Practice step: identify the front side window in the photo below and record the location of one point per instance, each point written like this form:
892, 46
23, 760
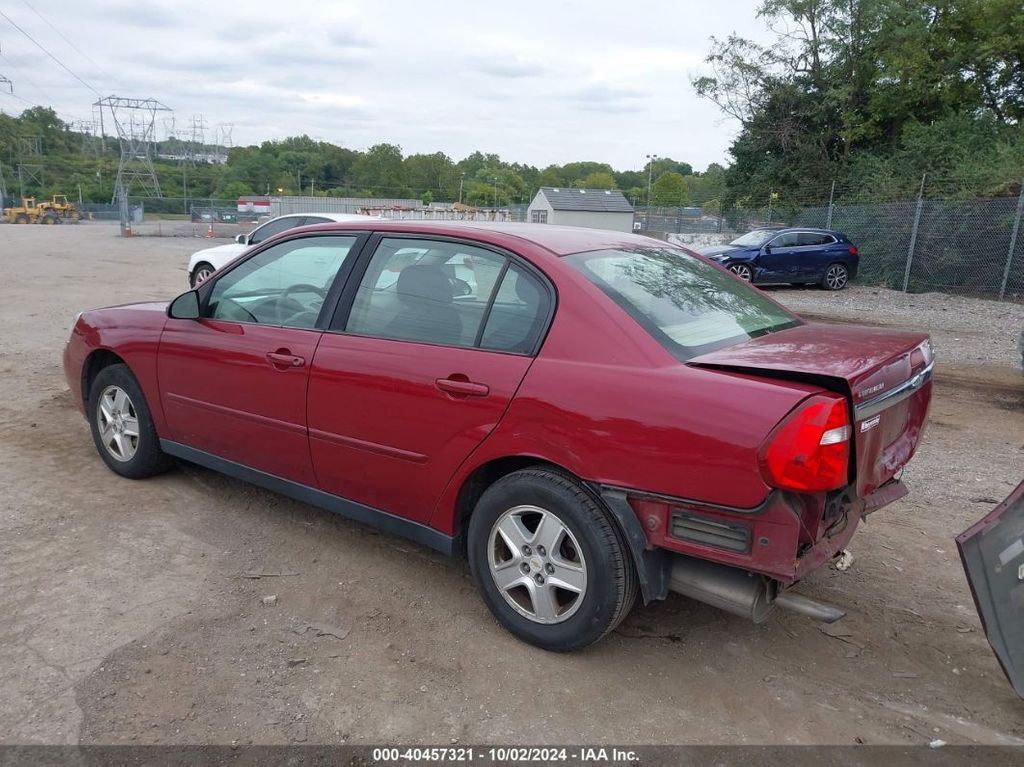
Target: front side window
787, 240
689, 306
427, 291
276, 226
284, 285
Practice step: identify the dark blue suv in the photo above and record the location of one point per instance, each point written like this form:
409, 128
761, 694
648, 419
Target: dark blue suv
797, 255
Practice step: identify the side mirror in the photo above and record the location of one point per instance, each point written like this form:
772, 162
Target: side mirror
185, 307
766, 249
242, 239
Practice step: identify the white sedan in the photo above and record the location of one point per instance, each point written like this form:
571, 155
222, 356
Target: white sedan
205, 262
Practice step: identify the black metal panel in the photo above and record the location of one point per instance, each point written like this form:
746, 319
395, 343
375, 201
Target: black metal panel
706, 531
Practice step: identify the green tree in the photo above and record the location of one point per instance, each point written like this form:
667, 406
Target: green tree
379, 170
670, 190
598, 180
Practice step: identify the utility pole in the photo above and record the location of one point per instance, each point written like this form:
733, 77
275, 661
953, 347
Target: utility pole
495, 193
650, 175
461, 179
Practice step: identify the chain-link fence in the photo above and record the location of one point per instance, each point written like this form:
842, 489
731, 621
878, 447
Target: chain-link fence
952, 245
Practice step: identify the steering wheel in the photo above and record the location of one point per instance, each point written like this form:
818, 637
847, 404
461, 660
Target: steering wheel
296, 307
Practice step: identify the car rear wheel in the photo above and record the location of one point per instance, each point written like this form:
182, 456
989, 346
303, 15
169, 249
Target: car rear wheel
200, 274
836, 277
122, 426
549, 561
743, 271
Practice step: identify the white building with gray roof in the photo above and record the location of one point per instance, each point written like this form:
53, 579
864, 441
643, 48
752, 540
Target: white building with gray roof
596, 208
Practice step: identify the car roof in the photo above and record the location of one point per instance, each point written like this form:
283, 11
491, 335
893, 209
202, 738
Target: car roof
559, 240
784, 229
339, 217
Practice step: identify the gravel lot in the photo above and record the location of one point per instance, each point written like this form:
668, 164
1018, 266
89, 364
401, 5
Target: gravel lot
131, 613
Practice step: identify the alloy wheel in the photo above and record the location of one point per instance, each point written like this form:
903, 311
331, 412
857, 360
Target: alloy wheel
742, 271
836, 277
118, 423
537, 564
202, 274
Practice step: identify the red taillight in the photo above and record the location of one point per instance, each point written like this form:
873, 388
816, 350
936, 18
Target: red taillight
810, 450
853, 250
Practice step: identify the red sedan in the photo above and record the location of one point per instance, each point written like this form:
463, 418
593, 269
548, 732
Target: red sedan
588, 416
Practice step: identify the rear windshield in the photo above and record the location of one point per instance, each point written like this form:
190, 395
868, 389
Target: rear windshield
690, 306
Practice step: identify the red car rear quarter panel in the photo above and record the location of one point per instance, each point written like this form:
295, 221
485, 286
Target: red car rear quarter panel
133, 334
675, 431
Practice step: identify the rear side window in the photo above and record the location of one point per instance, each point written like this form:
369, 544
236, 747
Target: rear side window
811, 238
519, 313
427, 291
449, 293
689, 306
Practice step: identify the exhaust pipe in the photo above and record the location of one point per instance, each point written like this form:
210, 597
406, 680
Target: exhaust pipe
812, 608
727, 588
741, 593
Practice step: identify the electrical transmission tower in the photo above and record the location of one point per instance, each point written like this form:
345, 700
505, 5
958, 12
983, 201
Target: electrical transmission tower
29, 151
135, 122
86, 130
196, 150
3, 188
224, 141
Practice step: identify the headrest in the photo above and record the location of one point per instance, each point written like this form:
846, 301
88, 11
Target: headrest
424, 282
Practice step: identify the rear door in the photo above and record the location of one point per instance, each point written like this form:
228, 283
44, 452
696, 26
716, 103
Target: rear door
992, 552
816, 252
425, 354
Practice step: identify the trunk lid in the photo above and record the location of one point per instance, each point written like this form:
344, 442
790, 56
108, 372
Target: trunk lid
885, 374
992, 552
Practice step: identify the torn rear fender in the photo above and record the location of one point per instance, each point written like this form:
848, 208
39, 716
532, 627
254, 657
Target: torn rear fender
992, 552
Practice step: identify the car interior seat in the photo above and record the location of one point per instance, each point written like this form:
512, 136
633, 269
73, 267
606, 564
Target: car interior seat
426, 312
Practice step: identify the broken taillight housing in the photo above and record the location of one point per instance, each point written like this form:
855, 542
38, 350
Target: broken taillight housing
810, 450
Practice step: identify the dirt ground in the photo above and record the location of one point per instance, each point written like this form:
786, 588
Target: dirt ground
129, 613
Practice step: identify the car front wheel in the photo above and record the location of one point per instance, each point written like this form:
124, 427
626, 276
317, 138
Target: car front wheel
836, 277
549, 561
743, 271
122, 426
200, 274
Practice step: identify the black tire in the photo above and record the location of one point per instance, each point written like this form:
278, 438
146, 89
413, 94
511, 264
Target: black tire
836, 277
611, 583
201, 268
146, 459
21, 218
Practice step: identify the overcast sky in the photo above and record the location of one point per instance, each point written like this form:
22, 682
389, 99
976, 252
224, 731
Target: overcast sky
536, 82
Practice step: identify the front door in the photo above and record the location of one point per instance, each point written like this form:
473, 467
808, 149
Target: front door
233, 383
780, 259
420, 370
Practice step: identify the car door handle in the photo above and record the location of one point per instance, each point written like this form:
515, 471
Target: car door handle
284, 359
462, 387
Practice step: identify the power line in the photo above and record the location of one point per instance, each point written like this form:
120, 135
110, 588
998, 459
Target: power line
29, 80
80, 52
60, 63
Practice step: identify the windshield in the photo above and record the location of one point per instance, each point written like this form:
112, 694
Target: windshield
688, 305
754, 239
